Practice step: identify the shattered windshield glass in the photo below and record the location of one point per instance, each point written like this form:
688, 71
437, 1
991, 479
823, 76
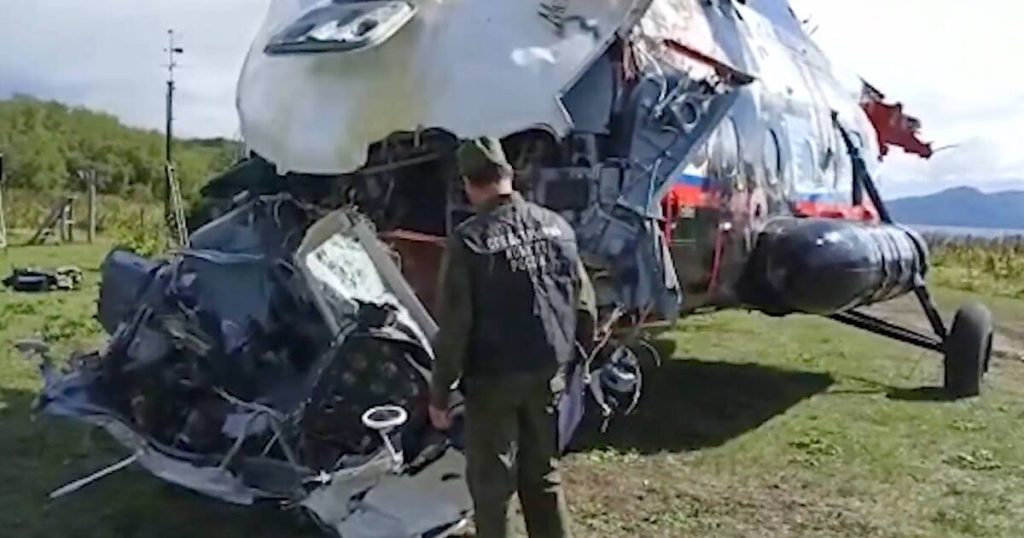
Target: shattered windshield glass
344, 274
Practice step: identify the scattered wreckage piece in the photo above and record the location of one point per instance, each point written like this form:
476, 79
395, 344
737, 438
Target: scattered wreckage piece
271, 360
36, 280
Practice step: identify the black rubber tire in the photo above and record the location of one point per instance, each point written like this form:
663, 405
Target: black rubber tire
968, 349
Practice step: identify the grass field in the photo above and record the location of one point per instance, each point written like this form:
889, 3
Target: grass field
757, 427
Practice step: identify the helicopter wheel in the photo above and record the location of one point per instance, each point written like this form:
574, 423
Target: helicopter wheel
645, 347
968, 351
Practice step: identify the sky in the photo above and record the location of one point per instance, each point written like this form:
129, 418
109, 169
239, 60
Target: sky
954, 65
951, 63
109, 55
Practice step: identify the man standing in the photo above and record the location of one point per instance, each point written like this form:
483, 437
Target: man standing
512, 287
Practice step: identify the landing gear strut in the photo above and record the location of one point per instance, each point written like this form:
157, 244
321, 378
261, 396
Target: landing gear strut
966, 347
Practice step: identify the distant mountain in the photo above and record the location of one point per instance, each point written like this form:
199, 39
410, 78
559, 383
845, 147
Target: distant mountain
962, 206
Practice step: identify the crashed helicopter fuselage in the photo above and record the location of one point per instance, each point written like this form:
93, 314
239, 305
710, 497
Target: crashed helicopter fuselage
704, 151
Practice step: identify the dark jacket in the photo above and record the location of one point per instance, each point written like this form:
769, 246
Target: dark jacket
512, 287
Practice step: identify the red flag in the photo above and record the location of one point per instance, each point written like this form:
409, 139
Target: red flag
894, 128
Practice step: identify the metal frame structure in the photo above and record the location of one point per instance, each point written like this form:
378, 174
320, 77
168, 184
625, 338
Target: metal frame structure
864, 183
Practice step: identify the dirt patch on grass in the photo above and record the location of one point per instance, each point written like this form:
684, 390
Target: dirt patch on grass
1009, 335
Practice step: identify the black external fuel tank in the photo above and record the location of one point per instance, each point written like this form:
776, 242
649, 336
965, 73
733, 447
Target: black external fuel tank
825, 266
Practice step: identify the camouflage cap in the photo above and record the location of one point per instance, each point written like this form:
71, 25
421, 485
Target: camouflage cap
475, 154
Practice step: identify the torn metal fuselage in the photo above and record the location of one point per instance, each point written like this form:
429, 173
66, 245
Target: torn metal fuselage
245, 363
595, 105
248, 361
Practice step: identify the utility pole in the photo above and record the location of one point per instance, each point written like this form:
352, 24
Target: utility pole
171, 50
174, 213
171, 64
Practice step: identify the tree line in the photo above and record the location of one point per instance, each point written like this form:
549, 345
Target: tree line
45, 144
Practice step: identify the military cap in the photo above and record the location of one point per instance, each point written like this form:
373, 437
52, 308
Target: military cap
475, 154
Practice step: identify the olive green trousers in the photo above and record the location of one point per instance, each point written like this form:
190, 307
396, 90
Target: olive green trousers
512, 447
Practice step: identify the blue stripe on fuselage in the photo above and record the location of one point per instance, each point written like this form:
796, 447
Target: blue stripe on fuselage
689, 179
693, 180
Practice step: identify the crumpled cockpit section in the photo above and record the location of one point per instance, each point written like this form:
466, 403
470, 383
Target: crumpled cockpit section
253, 363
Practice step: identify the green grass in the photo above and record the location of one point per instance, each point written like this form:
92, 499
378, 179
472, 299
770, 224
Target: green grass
797, 427
756, 427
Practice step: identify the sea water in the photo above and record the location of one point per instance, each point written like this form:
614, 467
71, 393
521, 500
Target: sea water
959, 231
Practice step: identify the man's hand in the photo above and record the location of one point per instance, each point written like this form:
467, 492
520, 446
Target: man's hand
440, 418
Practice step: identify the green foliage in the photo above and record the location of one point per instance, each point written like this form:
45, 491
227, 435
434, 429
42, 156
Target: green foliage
139, 228
977, 264
60, 328
46, 143
146, 243
10, 311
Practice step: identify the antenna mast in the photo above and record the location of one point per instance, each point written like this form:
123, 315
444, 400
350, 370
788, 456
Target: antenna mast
171, 50
173, 207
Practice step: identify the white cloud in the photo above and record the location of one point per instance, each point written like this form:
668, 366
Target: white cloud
952, 63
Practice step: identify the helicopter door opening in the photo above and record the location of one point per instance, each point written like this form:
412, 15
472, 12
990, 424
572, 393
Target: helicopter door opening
697, 241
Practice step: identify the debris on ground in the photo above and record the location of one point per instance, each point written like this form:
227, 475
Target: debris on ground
35, 280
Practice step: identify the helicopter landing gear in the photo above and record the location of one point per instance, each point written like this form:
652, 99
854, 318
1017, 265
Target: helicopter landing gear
967, 351
966, 347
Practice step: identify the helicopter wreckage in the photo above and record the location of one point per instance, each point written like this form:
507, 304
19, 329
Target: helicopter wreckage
284, 353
